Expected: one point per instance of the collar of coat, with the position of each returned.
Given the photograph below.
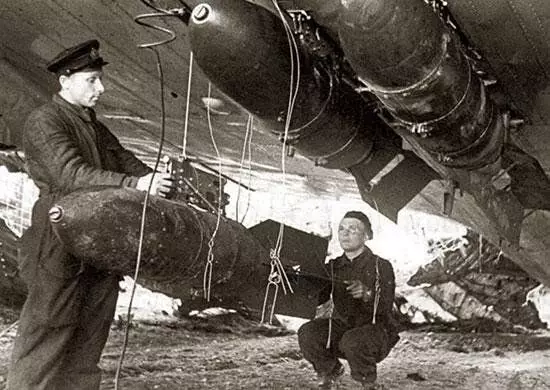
(343, 261)
(86, 114)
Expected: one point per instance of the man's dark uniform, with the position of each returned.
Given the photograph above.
(65, 321)
(353, 335)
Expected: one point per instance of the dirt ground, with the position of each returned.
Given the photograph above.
(232, 353)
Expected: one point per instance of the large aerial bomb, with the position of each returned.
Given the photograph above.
(180, 243)
(419, 71)
(186, 252)
(245, 50)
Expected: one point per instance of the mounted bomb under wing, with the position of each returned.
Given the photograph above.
(301, 88)
(322, 107)
(408, 64)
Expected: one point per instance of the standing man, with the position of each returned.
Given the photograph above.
(355, 320)
(66, 318)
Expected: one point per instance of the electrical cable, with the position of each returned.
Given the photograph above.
(143, 216)
(150, 46)
(172, 34)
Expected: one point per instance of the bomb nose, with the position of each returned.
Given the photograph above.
(56, 214)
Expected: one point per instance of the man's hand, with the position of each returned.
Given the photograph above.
(325, 310)
(163, 184)
(358, 290)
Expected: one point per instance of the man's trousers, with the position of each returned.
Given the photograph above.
(362, 347)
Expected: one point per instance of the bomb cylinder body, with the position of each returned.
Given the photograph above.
(416, 67)
(340, 136)
(102, 227)
(390, 43)
(245, 51)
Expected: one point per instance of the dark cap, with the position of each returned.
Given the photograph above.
(82, 56)
(361, 217)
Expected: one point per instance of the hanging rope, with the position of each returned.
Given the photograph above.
(187, 104)
(207, 279)
(249, 171)
(243, 155)
(275, 254)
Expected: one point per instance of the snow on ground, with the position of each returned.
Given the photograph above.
(146, 304)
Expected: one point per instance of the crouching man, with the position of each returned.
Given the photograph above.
(355, 321)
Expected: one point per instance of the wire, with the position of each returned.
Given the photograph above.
(186, 122)
(150, 46)
(243, 155)
(207, 279)
(249, 172)
(172, 34)
(293, 93)
(278, 275)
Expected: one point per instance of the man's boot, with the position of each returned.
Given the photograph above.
(326, 381)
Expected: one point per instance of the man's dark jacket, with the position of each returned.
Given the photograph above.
(356, 312)
(68, 149)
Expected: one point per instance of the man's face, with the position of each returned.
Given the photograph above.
(83, 88)
(351, 234)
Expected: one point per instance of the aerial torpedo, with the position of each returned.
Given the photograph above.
(181, 244)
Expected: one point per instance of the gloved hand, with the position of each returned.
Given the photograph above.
(358, 290)
(163, 184)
